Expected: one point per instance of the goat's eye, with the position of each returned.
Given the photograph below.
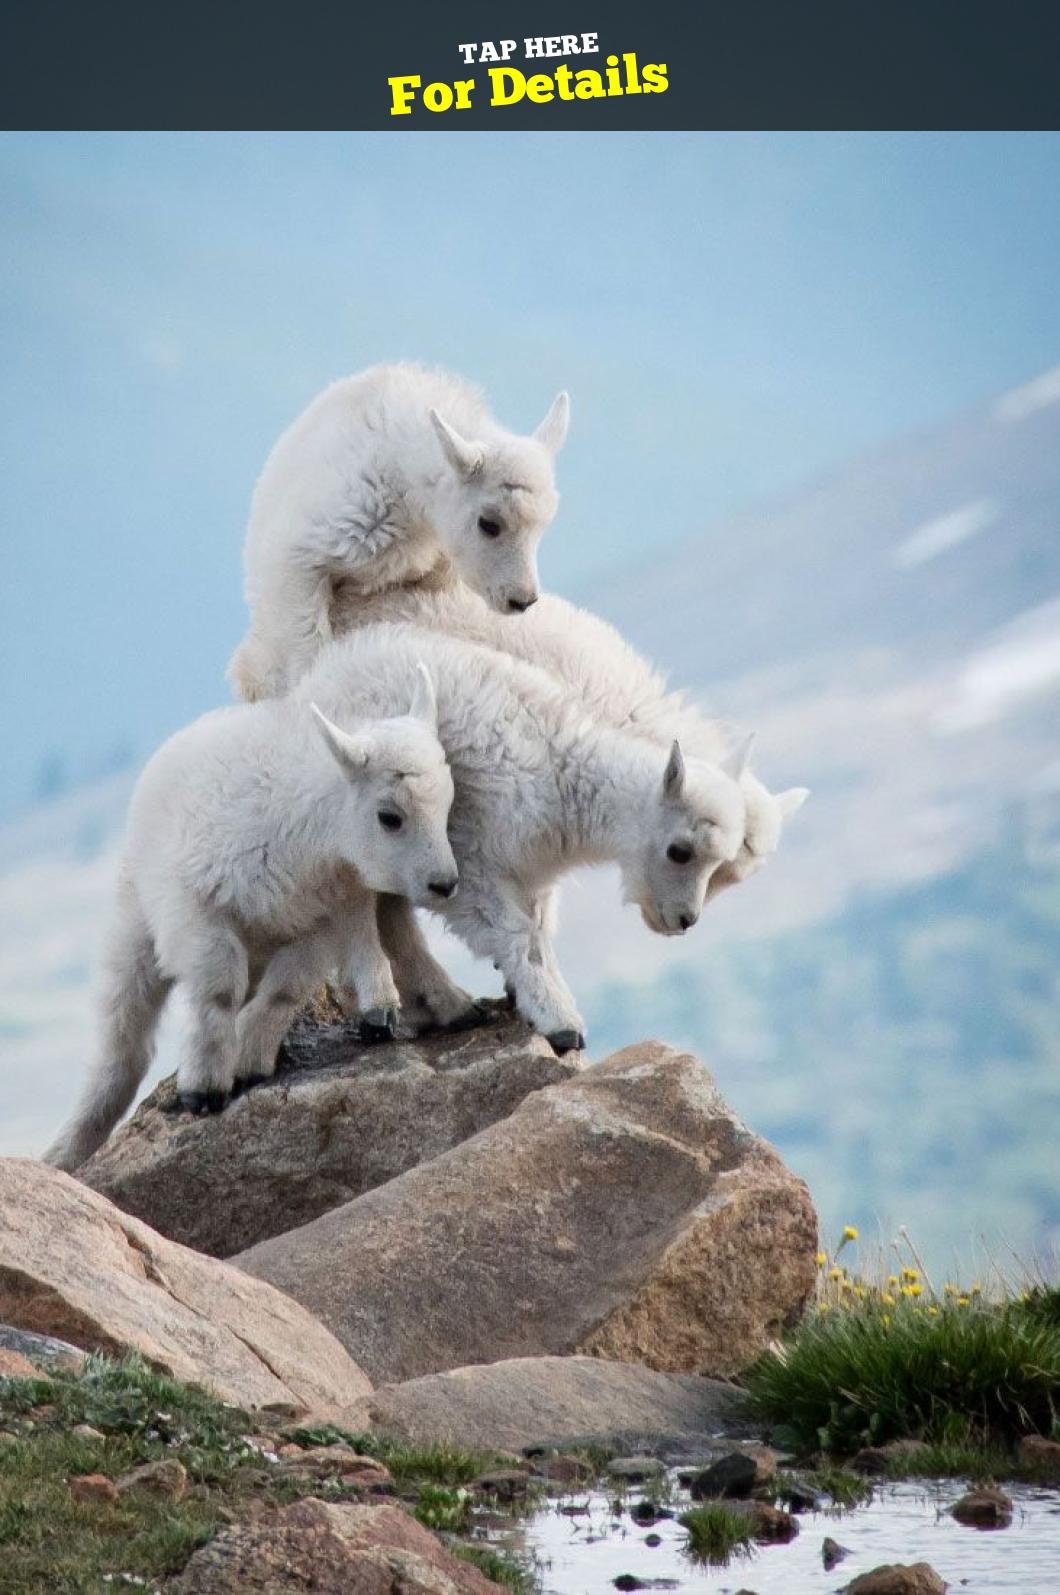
(489, 528)
(677, 853)
(389, 820)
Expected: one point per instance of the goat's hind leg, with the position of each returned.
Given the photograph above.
(288, 981)
(213, 971)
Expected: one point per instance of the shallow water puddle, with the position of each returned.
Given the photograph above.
(581, 1551)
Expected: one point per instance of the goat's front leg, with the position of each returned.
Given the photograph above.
(421, 980)
(366, 967)
(504, 922)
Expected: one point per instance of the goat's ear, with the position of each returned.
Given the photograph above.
(737, 760)
(351, 753)
(465, 457)
(791, 801)
(674, 774)
(552, 432)
(424, 705)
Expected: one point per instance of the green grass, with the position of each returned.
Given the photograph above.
(981, 1374)
(447, 1511)
(503, 1569)
(715, 1534)
(50, 1542)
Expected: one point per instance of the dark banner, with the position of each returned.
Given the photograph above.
(768, 64)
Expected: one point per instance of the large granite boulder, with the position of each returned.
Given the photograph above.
(627, 1213)
(530, 1403)
(73, 1266)
(339, 1119)
(330, 1550)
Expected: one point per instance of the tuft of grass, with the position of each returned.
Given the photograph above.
(447, 1511)
(980, 1372)
(436, 1464)
(842, 1487)
(502, 1568)
(715, 1534)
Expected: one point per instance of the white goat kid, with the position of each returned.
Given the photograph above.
(540, 788)
(257, 839)
(611, 680)
(382, 474)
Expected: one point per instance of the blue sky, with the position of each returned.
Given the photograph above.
(733, 314)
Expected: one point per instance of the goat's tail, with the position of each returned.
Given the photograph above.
(131, 1000)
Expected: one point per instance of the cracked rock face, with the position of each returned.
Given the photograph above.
(73, 1266)
(627, 1213)
(339, 1119)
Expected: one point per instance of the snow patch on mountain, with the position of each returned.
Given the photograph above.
(937, 536)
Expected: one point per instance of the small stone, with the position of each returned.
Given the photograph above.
(290, 1411)
(732, 1475)
(767, 1522)
(799, 1497)
(898, 1578)
(628, 1581)
(832, 1553)
(338, 1461)
(13, 1365)
(566, 1469)
(167, 1480)
(1041, 1456)
(507, 1484)
(653, 1540)
(878, 1459)
(635, 1469)
(85, 1431)
(93, 1489)
(986, 1507)
(645, 1513)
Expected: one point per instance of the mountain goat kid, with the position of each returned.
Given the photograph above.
(611, 680)
(256, 839)
(383, 474)
(540, 787)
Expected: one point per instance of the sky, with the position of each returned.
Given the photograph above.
(733, 314)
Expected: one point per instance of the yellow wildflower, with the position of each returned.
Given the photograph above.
(822, 1258)
(850, 1233)
(910, 1274)
(892, 1279)
(824, 1307)
(835, 1273)
(962, 1301)
(933, 1312)
(886, 1319)
(888, 1301)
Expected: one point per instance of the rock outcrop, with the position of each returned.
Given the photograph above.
(339, 1119)
(330, 1550)
(73, 1266)
(626, 1212)
(543, 1402)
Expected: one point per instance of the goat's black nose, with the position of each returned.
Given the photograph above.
(687, 921)
(521, 605)
(442, 888)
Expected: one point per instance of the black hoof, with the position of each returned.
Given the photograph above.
(199, 1103)
(472, 1018)
(378, 1024)
(247, 1083)
(562, 1041)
